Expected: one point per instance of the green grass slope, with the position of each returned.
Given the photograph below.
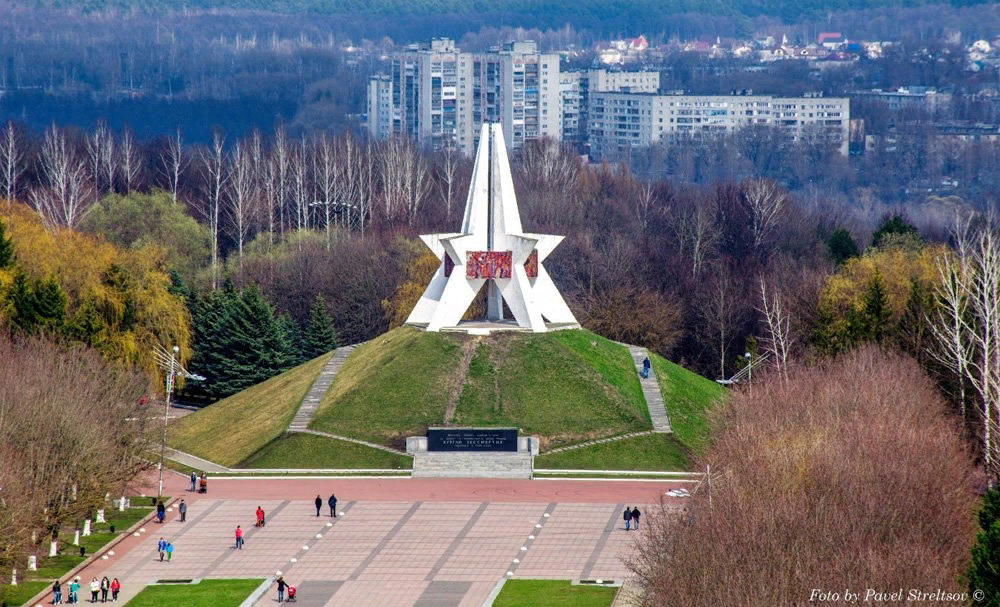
(688, 397)
(392, 387)
(310, 451)
(206, 593)
(563, 387)
(231, 430)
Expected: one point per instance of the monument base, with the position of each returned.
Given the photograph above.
(487, 327)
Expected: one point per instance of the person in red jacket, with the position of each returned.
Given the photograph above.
(239, 538)
(260, 516)
(115, 589)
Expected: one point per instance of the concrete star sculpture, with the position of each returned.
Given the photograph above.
(491, 249)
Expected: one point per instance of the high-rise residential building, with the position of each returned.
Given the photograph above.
(620, 120)
(575, 88)
(439, 96)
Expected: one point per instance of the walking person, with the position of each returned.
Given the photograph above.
(628, 518)
(319, 504)
(239, 538)
(333, 505)
(645, 367)
(56, 593)
(74, 589)
(161, 512)
(115, 589)
(260, 517)
(194, 479)
(95, 587)
(161, 547)
(281, 589)
(635, 517)
(105, 586)
(183, 509)
(170, 551)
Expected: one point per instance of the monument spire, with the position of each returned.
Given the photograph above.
(492, 251)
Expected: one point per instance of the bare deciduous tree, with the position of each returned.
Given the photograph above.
(696, 233)
(131, 162)
(100, 143)
(11, 160)
(65, 196)
(213, 162)
(447, 176)
(778, 341)
(174, 161)
(326, 183)
(240, 194)
(280, 172)
(765, 202)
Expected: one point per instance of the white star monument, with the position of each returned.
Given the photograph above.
(492, 250)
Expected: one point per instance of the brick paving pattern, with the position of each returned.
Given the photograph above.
(429, 547)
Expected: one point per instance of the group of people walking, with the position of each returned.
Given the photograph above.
(332, 502)
(102, 587)
(631, 517)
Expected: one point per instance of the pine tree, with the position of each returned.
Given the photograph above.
(842, 246)
(25, 316)
(320, 334)
(50, 304)
(6, 248)
(876, 314)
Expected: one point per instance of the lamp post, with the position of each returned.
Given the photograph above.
(749, 358)
(166, 414)
(168, 362)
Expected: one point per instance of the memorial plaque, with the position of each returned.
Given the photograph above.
(472, 439)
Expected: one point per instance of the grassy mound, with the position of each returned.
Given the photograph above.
(564, 386)
(649, 452)
(296, 450)
(231, 430)
(688, 397)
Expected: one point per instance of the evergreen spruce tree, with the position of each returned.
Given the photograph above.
(6, 248)
(842, 246)
(209, 316)
(984, 570)
(22, 298)
(320, 334)
(294, 336)
(876, 313)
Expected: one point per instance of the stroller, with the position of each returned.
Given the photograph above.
(291, 594)
(203, 485)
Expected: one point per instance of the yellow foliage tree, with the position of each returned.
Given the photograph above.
(119, 301)
(900, 271)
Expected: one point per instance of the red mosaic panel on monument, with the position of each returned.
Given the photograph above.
(489, 264)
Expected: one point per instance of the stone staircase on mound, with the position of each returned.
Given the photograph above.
(493, 464)
(651, 392)
(319, 387)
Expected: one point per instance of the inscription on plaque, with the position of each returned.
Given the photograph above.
(472, 439)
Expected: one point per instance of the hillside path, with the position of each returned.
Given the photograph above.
(319, 387)
(651, 392)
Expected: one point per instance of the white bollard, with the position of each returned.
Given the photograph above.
(13, 577)
(86, 527)
(32, 563)
(121, 504)
(100, 516)
(76, 537)
(54, 548)
(74, 492)
(34, 536)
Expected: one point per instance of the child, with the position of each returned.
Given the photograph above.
(170, 551)
(74, 588)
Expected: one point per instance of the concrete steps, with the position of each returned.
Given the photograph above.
(651, 392)
(319, 387)
(599, 441)
(495, 464)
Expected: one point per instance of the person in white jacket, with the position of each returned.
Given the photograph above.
(95, 587)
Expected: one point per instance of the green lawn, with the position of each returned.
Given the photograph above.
(231, 430)
(15, 596)
(647, 452)
(392, 387)
(206, 593)
(552, 593)
(688, 397)
(563, 387)
(297, 450)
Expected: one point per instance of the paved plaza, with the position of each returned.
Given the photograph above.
(400, 542)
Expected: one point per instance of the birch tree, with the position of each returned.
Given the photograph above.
(696, 233)
(280, 172)
(239, 196)
(65, 196)
(778, 341)
(131, 162)
(447, 176)
(173, 163)
(765, 202)
(326, 183)
(11, 160)
(214, 173)
(300, 185)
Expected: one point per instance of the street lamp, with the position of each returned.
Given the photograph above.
(168, 362)
(749, 358)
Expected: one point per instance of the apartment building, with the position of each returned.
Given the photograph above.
(439, 95)
(619, 120)
(922, 98)
(575, 88)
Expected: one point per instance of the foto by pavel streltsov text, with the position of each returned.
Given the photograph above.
(899, 595)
